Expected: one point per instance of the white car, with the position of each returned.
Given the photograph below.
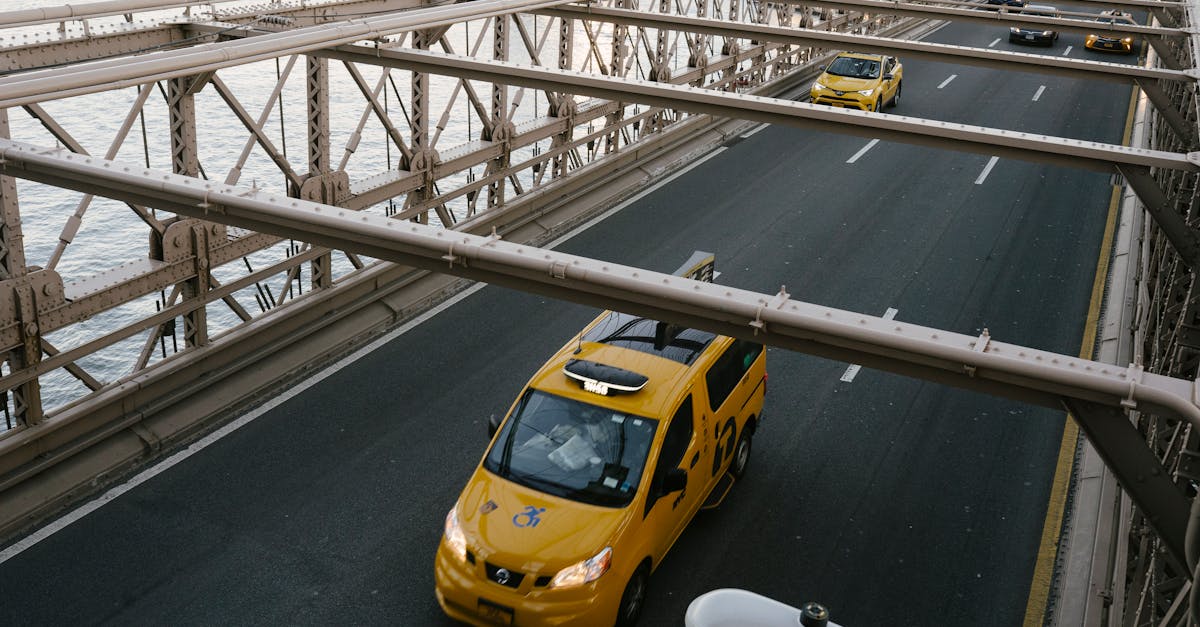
(731, 607)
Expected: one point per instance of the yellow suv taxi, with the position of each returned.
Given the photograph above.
(1111, 42)
(868, 82)
(603, 459)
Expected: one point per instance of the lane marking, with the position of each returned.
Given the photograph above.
(1043, 568)
(1039, 93)
(852, 371)
(166, 464)
(863, 151)
(1067, 51)
(747, 134)
(993, 44)
(947, 81)
(987, 169)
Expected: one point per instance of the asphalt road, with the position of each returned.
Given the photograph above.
(890, 500)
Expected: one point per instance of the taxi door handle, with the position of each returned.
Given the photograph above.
(695, 460)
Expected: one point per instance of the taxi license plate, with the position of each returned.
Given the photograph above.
(494, 612)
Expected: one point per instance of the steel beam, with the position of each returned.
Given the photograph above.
(986, 14)
(950, 136)
(978, 363)
(104, 75)
(1140, 473)
(981, 57)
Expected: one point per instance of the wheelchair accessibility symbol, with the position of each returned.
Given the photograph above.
(528, 517)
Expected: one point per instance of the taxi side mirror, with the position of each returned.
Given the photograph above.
(493, 426)
(888, 77)
(674, 481)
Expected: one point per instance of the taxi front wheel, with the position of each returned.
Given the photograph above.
(633, 598)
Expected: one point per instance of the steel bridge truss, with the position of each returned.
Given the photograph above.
(480, 118)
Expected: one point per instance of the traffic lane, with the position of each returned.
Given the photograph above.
(890, 501)
(325, 510)
(1014, 100)
(898, 226)
(940, 262)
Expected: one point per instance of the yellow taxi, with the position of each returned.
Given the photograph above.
(867, 82)
(1111, 42)
(603, 459)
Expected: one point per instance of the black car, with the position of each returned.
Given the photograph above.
(1011, 3)
(1031, 34)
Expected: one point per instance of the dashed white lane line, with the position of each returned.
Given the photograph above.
(852, 371)
(760, 127)
(1067, 51)
(863, 151)
(987, 169)
(1039, 93)
(947, 81)
(993, 44)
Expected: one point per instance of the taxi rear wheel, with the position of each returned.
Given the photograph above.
(741, 454)
(634, 598)
(896, 98)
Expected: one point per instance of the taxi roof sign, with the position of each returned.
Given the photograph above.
(604, 379)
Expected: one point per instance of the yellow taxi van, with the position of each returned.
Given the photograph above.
(601, 462)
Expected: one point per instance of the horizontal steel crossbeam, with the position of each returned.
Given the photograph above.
(946, 135)
(999, 59)
(970, 362)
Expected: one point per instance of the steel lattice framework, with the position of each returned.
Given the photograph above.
(507, 119)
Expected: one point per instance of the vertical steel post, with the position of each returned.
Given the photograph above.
(181, 109)
(616, 68)
(27, 397)
(316, 87)
(699, 48)
(501, 128)
(566, 102)
(423, 155)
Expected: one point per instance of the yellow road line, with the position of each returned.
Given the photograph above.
(1043, 570)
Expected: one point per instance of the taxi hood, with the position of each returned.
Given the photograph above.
(523, 528)
(847, 83)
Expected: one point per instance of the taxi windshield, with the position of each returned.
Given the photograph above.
(572, 449)
(854, 67)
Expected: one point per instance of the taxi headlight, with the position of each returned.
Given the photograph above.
(1127, 40)
(588, 570)
(818, 86)
(866, 92)
(455, 539)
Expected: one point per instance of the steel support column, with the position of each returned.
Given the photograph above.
(501, 129)
(565, 107)
(616, 69)
(26, 398)
(1159, 206)
(1139, 471)
(319, 180)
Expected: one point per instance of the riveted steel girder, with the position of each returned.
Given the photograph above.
(105, 75)
(986, 14)
(1011, 144)
(979, 363)
(998, 59)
